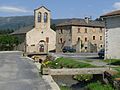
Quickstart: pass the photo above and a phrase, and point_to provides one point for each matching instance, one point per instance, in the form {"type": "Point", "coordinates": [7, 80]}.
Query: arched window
{"type": "Point", "coordinates": [39, 17]}
{"type": "Point", "coordinates": [45, 17]}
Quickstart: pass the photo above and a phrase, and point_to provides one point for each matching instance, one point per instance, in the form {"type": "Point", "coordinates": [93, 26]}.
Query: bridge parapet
{"type": "Point", "coordinates": [66, 71]}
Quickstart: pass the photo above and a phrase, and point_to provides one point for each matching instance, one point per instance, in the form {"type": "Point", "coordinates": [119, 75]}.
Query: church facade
{"type": "Point", "coordinates": [41, 38]}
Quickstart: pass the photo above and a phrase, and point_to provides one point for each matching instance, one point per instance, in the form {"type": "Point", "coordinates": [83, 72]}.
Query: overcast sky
{"type": "Point", "coordinates": [59, 8]}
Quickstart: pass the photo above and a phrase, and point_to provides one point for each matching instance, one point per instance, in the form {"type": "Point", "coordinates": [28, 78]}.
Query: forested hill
{"type": "Point", "coordinates": [16, 22]}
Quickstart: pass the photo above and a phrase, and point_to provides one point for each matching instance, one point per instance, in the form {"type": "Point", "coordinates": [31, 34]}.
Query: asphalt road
{"type": "Point", "coordinates": [18, 73]}
{"type": "Point", "coordinates": [79, 56]}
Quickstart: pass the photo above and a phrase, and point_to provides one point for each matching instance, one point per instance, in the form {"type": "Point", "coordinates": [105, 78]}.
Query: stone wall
{"type": "Point", "coordinates": [65, 71]}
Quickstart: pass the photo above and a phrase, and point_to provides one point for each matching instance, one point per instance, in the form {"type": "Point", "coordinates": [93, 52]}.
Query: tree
{"type": "Point", "coordinates": [8, 42]}
{"type": "Point", "coordinates": [53, 26]}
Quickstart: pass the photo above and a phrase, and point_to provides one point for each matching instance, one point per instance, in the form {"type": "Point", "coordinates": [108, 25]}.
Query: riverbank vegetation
{"type": "Point", "coordinates": [117, 75]}
{"type": "Point", "coordinates": [67, 63]}
{"type": "Point", "coordinates": [99, 86]}
{"type": "Point", "coordinates": [65, 88]}
{"type": "Point", "coordinates": [83, 77]}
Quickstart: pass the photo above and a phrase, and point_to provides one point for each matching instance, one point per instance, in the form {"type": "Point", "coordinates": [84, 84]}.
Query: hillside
{"type": "Point", "coordinates": [15, 22]}
{"type": "Point", "coordinates": [21, 21]}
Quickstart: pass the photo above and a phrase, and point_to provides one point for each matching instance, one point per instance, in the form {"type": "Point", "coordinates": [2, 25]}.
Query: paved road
{"type": "Point", "coordinates": [18, 73]}
{"type": "Point", "coordinates": [81, 56]}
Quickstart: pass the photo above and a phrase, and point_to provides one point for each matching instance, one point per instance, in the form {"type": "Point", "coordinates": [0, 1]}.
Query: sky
{"type": "Point", "coordinates": [59, 8]}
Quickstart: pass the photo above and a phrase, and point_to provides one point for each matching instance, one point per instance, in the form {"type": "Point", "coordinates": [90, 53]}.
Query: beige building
{"type": "Point", "coordinates": [84, 35]}
{"type": "Point", "coordinates": [40, 38]}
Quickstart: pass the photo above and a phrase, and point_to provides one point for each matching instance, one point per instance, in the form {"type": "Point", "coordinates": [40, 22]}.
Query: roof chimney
{"type": "Point", "coordinates": [87, 19]}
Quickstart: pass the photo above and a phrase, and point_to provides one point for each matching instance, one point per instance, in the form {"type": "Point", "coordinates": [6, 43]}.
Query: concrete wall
{"type": "Point", "coordinates": [112, 50]}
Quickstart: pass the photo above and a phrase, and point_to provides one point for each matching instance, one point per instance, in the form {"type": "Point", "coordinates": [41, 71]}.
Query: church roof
{"type": "Point", "coordinates": [82, 22]}
{"type": "Point", "coordinates": [113, 13]}
{"type": "Point", "coordinates": [23, 30]}
{"type": "Point", "coordinates": [42, 7]}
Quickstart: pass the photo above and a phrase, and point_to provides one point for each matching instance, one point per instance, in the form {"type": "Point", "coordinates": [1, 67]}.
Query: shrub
{"type": "Point", "coordinates": [83, 77]}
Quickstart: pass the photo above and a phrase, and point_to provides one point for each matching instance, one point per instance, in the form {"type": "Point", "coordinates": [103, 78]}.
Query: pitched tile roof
{"type": "Point", "coordinates": [113, 13]}
{"type": "Point", "coordinates": [23, 30]}
{"type": "Point", "coordinates": [82, 22]}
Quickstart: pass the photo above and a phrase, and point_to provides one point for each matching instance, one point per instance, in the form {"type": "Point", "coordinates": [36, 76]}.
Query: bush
{"type": "Point", "coordinates": [83, 77]}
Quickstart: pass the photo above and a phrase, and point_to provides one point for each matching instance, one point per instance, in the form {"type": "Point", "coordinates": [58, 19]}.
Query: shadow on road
{"type": "Point", "coordinates": [100, 58]}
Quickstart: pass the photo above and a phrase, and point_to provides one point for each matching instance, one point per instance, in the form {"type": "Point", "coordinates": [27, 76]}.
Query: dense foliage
{"type": "Point", "coordinates": [53, 26]}
{"type": "Point", "coordinates": [6, 31]}
{"type": "Point", "coordinates": [8, 42]}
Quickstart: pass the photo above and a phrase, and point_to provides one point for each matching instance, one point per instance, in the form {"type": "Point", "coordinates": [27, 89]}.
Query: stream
{"type": "Point", "coordinates": [67, 80]}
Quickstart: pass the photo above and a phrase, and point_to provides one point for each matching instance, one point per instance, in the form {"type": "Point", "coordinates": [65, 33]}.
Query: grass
{"type": "Point", "coordinates": [113, 61]}
{"type": "Point", "coordinates": [88, 60]}
{"type": "Point", "coordinates": [118, 74]}
{"type": "Point", "coordinates": [68, 63]}
{"type": "Point", "coordinates": [99, 86]}
{"type": "Point", "coordinates": [64, 88]}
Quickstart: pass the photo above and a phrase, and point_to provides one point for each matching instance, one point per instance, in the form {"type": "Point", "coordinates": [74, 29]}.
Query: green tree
{"type": "Point", "coordinates": [8, 42]}
{"type": "Point", "coordinates": [53, 26]}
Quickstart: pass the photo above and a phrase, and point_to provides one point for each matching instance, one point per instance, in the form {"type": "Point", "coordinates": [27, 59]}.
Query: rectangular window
{"type": "Point", "coordinates": [78, 30]}
{"type": "Point", "coordinates": [61, 31]}
{"type": "Point", "coordinates": [93, 37]}
{"type": "Point", "coordinates": [85, 30]}
{"type": "Point", "coordinates": [100, 37]}
{"type": "Point", "coordinates": [85, 39]}
{"type": "Point", "coordinates": [47, 39]}
{"type": "Point", "coordinates": [61, 40]}
{"type": "Point", "coordinates": [100, 30]}
{"type": "Point", "coordinates": [33, 45]}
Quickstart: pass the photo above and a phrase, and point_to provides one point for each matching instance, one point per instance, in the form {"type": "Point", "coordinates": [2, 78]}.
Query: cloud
{"type": "Point", "coordinates": [12, 9]}
{"type": "Point", "coordinates": [116, 5]}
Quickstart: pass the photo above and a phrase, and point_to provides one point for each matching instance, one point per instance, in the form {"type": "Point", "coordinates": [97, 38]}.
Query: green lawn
{"type": "Point", "coordinates": [68, 63]}
{"type": "Point", "coordinates": [113, 61]}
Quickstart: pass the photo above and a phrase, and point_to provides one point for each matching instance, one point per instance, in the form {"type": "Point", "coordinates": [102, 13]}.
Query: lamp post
{"type": "Point", "coordinates": [109, 63]}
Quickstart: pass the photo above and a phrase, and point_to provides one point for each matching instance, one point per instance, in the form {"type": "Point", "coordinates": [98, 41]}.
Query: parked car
{"type": "Point", "coordinates": [101, 53]}
{"type": "Point", "coordinates": [68, 49]}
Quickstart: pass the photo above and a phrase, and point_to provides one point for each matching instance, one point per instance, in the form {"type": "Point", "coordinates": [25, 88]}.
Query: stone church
{"type": "Point", "coordinates": [40, 38]}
